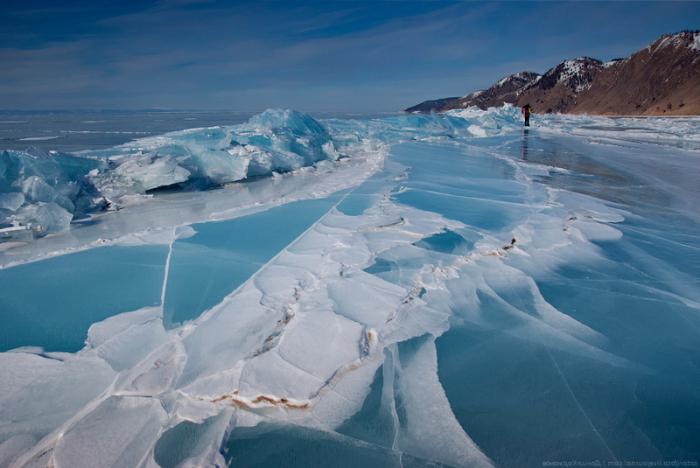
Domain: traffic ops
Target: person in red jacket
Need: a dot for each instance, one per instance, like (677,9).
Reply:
(526,110)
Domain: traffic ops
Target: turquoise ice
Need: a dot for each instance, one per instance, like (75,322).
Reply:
(414,290)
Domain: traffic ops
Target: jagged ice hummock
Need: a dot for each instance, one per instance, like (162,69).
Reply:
(413,290)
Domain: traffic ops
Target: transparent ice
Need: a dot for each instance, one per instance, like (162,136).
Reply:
(410,290)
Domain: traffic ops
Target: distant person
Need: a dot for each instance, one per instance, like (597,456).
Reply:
(527,110)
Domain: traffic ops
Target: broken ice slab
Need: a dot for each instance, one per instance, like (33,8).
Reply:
(270,445)
(150,215)
(207,266)
(52,303)
(189,443)
(276,140)
(301,343)
(367,193)
(126,426)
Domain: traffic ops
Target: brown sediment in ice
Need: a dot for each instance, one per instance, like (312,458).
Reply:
(261,401)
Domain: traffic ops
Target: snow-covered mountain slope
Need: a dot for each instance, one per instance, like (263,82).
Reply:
(661,79)
(560,86)
(505,90)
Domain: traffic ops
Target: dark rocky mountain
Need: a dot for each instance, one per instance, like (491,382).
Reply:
(505,90)
(438,105)
(559,88)
(661,79)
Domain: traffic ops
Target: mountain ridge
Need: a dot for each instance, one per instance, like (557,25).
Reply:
(661,79)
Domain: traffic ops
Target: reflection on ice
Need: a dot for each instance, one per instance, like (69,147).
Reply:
(455,292)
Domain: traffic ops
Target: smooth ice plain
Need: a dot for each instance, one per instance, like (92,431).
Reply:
(414,290)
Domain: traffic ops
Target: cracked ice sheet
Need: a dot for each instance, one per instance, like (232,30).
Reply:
(220,366)
(303,354)
(291,344)
(150,219)
(261,355)
(274,326)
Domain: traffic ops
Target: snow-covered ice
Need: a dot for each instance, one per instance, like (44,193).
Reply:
(408,290)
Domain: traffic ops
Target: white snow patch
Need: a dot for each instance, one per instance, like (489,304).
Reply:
(695,45)
(474,94)
(40,138)
(575,69)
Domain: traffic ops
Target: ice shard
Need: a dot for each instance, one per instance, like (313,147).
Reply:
(412,290)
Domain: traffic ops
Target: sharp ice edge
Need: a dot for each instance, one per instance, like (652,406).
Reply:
(428,415)
(54,186)
(191,373)
(506,120)
(296,299)
(44,190)
(152,222)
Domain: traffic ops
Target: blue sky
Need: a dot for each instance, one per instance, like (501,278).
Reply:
(312,56)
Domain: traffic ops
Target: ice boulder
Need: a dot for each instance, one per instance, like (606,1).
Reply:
(138,173)
(40,191)
(464,124)
(283,140)
(495,121)
(274,141)
(11,201)
(44,218)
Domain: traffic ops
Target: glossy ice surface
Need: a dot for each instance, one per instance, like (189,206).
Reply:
(401,291)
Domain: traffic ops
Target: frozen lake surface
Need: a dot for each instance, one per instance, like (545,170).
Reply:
(411,290)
